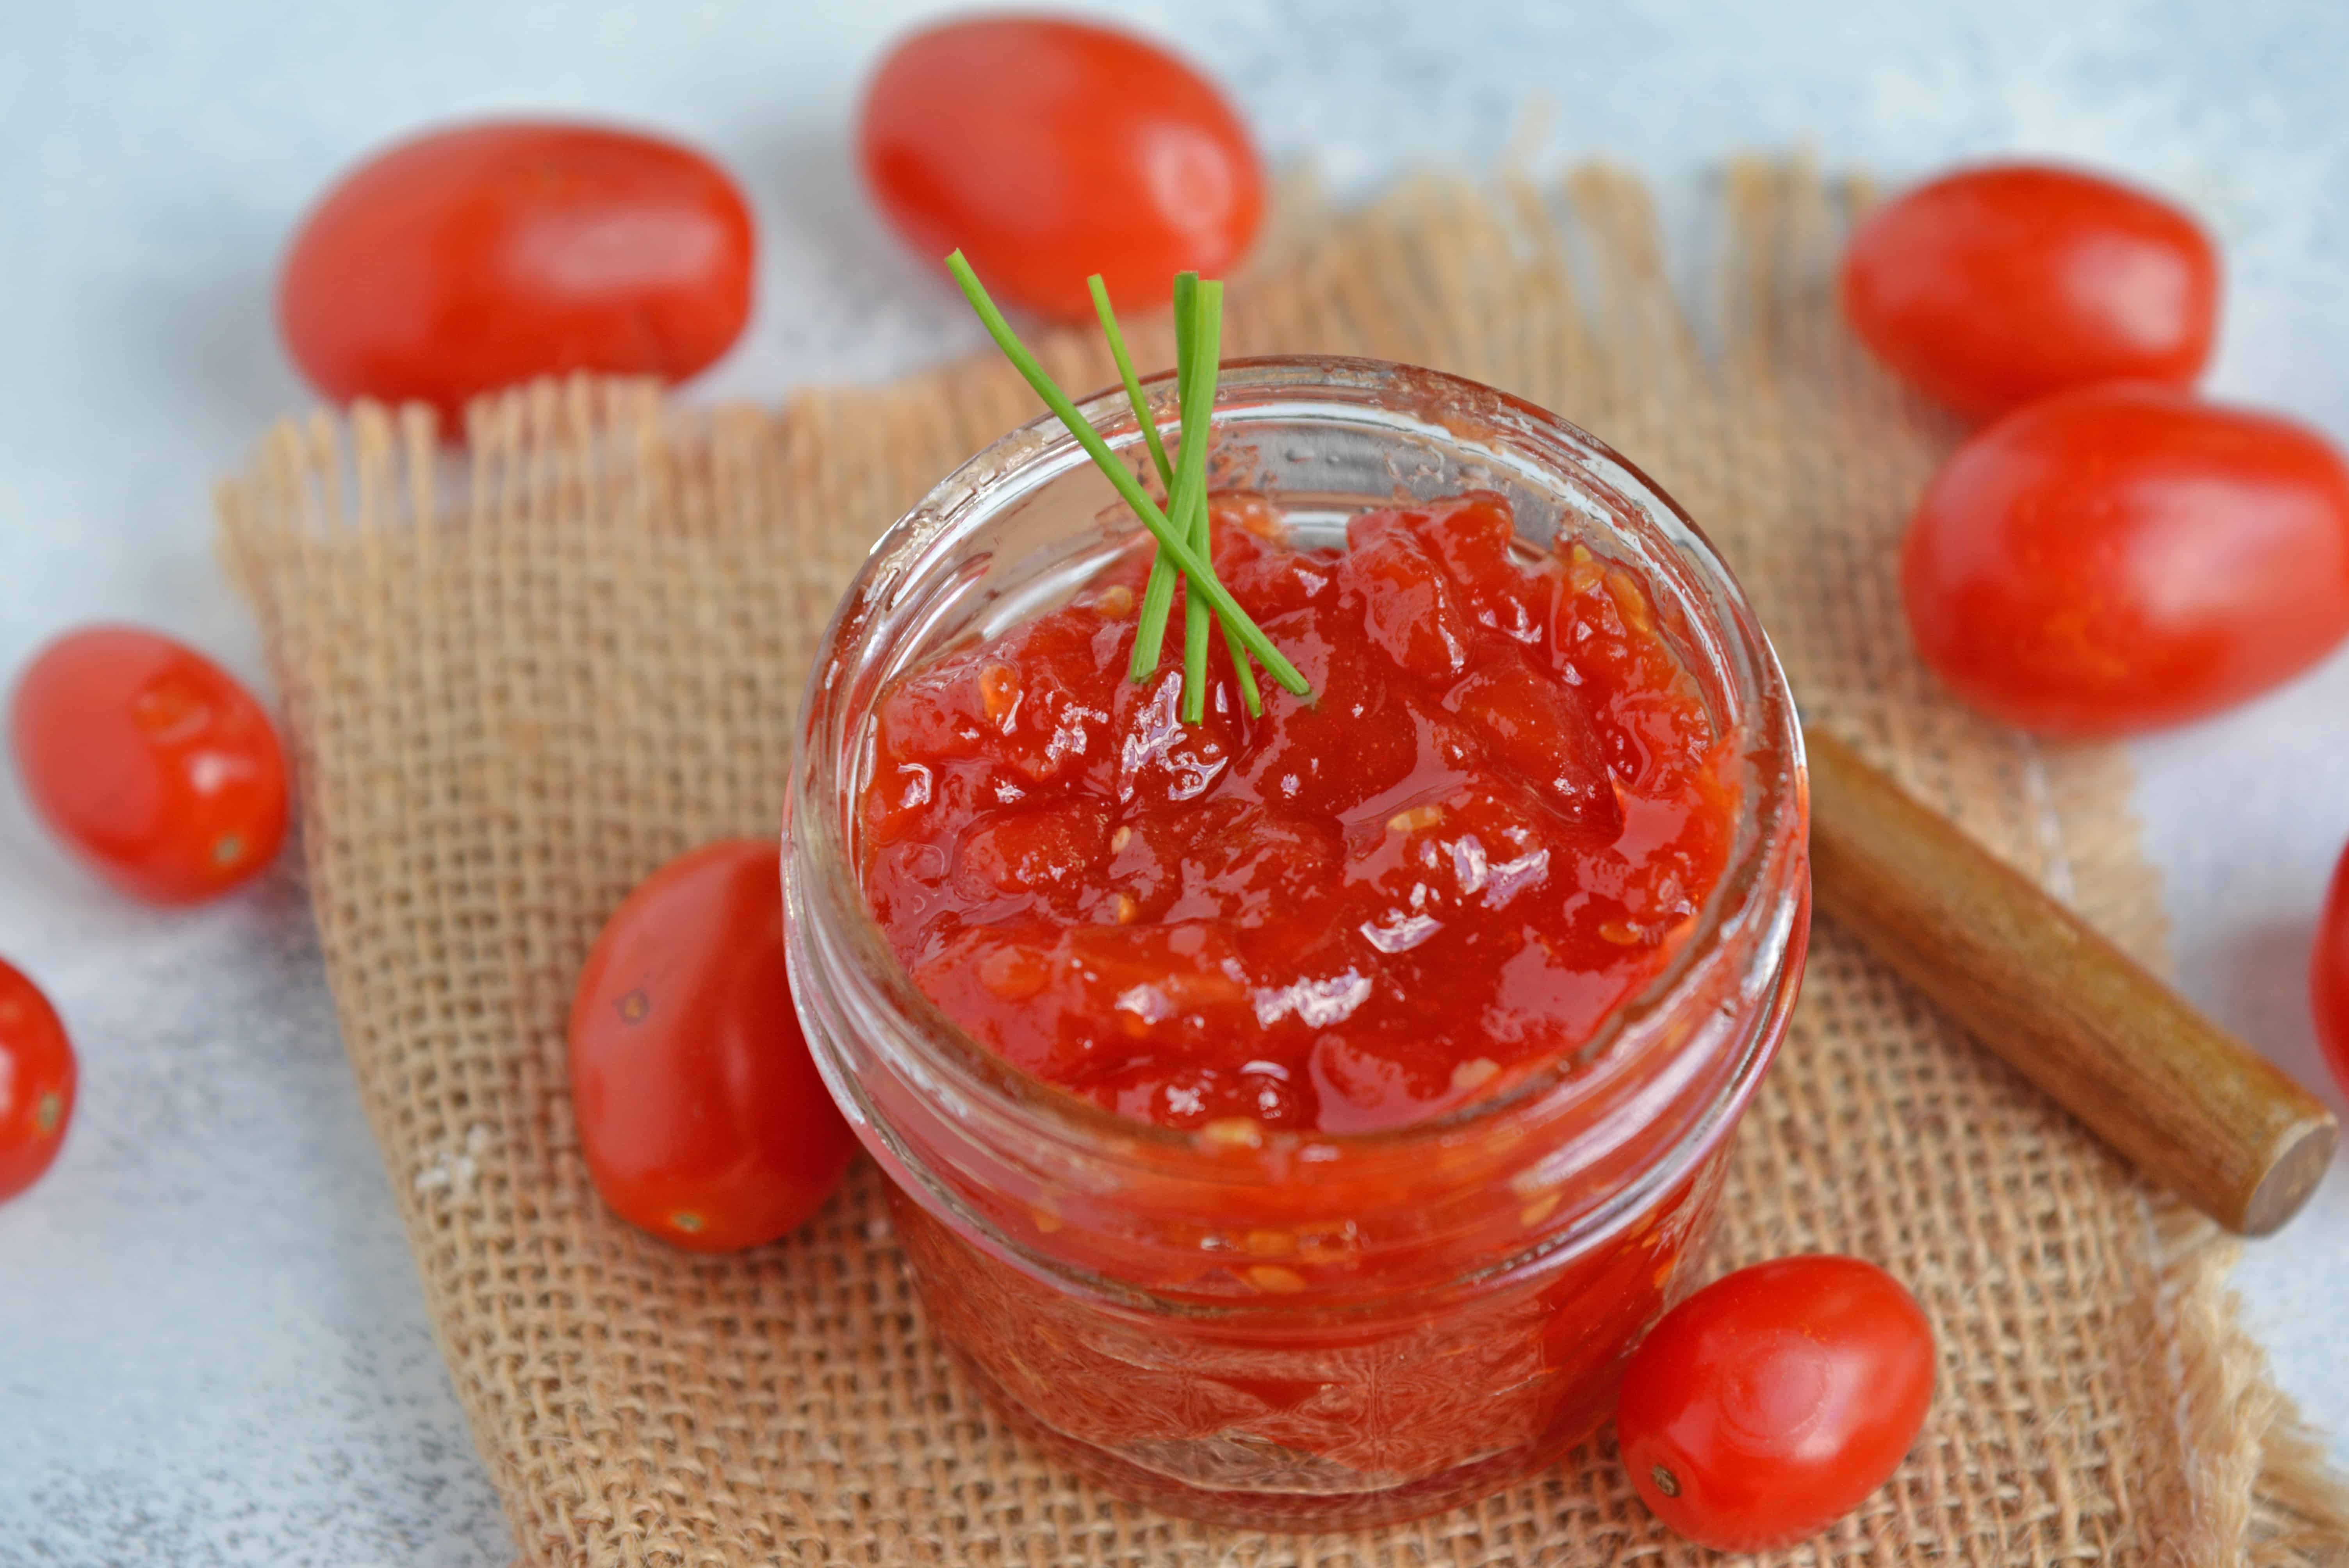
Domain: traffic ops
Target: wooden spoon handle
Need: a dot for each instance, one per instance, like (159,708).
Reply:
(2191,1106)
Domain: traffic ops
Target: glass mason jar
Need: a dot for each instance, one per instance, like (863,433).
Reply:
(1299,1330)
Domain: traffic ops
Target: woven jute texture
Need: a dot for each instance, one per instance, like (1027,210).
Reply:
(519,681)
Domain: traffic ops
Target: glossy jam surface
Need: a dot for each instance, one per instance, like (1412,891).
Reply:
(1494,820)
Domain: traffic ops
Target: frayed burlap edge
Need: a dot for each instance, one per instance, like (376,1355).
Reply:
(2274,1488)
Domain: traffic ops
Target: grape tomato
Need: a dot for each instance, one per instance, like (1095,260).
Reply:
(701,1114)
(2127,556)
(1996,284)
(1048,149)
(37,1082)
(1772,1402)
(151,761)
(477,256)
(2329,974)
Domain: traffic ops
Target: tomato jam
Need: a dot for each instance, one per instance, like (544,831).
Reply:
(1493,819)
(1297,1118)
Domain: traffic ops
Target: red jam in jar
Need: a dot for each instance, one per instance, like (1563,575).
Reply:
(1296,1120)
(1492,818)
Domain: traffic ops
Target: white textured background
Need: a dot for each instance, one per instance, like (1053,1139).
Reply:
(212,1346)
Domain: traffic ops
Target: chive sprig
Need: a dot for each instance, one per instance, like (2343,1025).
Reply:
(1182,528)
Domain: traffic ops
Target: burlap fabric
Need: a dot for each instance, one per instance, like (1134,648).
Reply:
(519,682)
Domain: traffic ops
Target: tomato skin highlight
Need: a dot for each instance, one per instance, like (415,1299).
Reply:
(702,1115)
(37,1082)
(1772,1402)
(151,761)
(2328,975)
(477,256)
(2125,557)
(1993,285)
(1049,150)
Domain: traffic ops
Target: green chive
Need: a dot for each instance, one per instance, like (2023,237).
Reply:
(1158,598)
(1206,337)
(1250,699)
(1126,373)
(1186,285)
(1171,540)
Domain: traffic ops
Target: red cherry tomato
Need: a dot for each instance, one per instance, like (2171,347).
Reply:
(1995,285)
(1765,1407)
(151,761)
(2124,557)
(470,259)
(1047,150)
(2328,975)
(702,1115)
(37,1082)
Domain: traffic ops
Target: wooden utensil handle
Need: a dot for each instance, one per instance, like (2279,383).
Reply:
(2188,1103)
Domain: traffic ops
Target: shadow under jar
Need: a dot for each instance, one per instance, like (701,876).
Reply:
(1280,1327)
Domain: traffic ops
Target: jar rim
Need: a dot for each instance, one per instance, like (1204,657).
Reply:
(818,865)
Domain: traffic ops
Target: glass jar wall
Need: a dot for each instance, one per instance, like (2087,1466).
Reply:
(1282,1327)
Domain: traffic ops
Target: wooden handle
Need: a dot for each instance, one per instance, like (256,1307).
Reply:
(2190,1105)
